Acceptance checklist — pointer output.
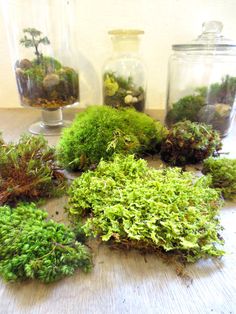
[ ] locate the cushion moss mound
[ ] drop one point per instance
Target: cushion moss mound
(32, 247)
(223, 173)
(167, 210)
(101, 131)
(190, 142)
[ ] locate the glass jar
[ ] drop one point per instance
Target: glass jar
(202, 80)
(124, 80)
(44, 59)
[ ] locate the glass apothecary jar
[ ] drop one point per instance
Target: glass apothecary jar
(44, 58)
(202, 80)
(124, 79)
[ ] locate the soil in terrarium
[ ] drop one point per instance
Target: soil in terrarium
(213, 105)
(120, 92)
(44, 82)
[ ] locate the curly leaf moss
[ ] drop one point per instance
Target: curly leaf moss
(28, 171)
(223, 173)
(134, 205)
(101, 131)
(32, 247)
(190, 142)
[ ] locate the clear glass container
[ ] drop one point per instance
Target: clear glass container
(124, 79)
(44, 58)
(202, 80)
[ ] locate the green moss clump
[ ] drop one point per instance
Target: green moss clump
(186, 108)
(130, 204)
(28, 170)
(190, 142)
(101, 131)
(32, 247)
(48, 63)
(223, 173)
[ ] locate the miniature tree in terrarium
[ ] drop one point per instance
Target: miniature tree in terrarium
(45, 59)
(34, 41)
(44, 82)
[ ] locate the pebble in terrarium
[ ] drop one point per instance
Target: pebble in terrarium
(43, 81)
(124, 73)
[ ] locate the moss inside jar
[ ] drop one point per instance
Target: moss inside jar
(213, 105)
(44, 82)
(124, 75)
(121, 92)
(202, 80)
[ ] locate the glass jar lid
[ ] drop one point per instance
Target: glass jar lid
(210, 39)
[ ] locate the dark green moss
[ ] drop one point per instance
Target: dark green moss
(190, 142)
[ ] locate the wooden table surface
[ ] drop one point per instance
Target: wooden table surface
(126, 282)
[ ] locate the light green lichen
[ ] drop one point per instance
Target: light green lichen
(129, 203)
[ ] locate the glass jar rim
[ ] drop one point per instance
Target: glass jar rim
(132, 32)
(194, 47)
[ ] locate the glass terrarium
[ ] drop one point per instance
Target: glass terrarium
(202, 80)
(124, 80)
(44, 58)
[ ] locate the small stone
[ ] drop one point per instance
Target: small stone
(51, 80)
(135, 99)
(207, 114)
(128, 99)
(223, 110)
(25, 64)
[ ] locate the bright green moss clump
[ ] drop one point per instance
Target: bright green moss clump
(32, 247)
(223, 173)
(101, 131)
(133, 205)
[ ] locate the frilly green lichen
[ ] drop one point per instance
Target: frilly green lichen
(128, 203)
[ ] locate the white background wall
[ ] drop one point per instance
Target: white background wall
(164, 21)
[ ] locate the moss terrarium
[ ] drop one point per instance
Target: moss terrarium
(44, 58)
(43, 81)
(213, 105)
(124, 81)
(120, 92)
(202, 82)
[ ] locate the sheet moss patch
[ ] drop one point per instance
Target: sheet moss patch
(223, 174)
(32, 247)
(129, 204)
